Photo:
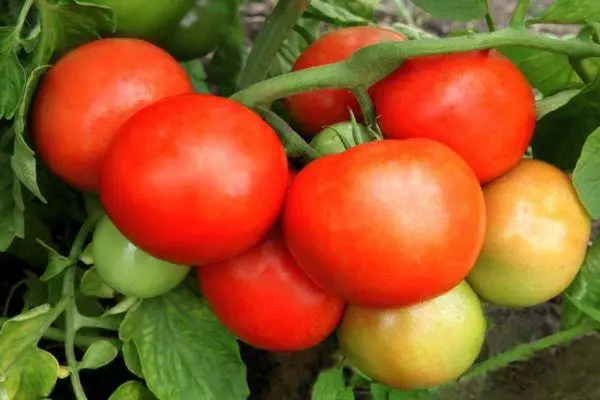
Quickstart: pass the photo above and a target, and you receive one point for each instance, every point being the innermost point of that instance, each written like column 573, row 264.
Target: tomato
column 477, row 103
column 145, row 19
column 386, row 223
column 264, row 298
column 536, row 238
column 419, row 346
column 89, row 93
column 194, row 179
column 316, row 110
column 328, row 141
column 129, row 270
column 201, row 30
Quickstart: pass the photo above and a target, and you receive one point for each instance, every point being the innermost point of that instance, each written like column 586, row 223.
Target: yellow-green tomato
column 419, row 346
column 146, row 19
column 331, row 139
column 129, row 270
column 536, row 236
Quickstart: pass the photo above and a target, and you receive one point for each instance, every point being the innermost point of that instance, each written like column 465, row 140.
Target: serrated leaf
column 457, row 10
column 586, row 176
column 228, row 61
column 57, row 263
column 33, row 376
column 132, row 390
column 184, row 350
column 330, row 385
column 94, row 286
column 584, row 290
column 571, row 12
column 560, row 135
column 98, row 355
column 12, row 74
column 132, row 358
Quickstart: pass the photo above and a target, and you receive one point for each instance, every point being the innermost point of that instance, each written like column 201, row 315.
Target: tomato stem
column 23, row 17
column 518, row 18
column 275, row 30
column 371, row 64
column 580, row 70
column 525, row 351
column 366, row 105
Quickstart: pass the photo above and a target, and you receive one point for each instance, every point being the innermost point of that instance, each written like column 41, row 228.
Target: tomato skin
column 145, row 19
column 328, row 140
column 477, row 103
column 313, row 111
column 265, row 299
column 200, row 30
column 386, row 223
column 194, row 179
column 419, row 346
column 536, row 238
column 128, row 269
column 89, row 93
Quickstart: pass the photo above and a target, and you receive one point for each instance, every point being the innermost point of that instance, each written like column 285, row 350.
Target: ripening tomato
column 194, row 179
column 145, row 19
column 536, row 237
column 265, row 299
column 89, row 93
column 129, row 270
column 333, row 139
column 477, row 103
column 419, row 346
column 386, row 223
column 313, row 111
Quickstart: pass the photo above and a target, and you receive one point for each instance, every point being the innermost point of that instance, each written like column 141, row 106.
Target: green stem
column 404, row 12
column 518, row 18
column 23, row 16
column 109, row 323
column 293, row 143
column 275, row 30
column 362, row 70
column 366, row 105
column 525, row 351
column 490, row 22
column 580, row 70
column 306, row 35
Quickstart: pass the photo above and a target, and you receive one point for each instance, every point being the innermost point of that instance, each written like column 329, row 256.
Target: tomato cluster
column 392, row 241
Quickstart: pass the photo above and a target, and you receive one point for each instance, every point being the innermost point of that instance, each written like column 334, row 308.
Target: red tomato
column 386, row 223
column 89, row 93
column 194, row 179
column 265, row 299
column 477, row 103
column 316, row 110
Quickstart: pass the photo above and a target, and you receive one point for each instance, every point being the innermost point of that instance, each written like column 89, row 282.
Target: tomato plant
column 129, row 270
column 88, row 94
column 184, row 179
column 298, row 313
column 344, row 222
column 316, row 110
column 536, row 237
column 201, row 29
column 141, row 139
column 418, row 346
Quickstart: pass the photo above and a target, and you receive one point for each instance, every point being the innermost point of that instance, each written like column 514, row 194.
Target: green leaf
column 228, row 61
column 571, row 12
column 132, row 358
column 586, row 176
column 335, row 12
column 122, row 306
column 551, row 103
column 184, row 350
column 86, row 255
column 33, row 376
column 545, row 71
column 12, row 73
column 195, row 70
column 57, row 263
column 381, row 392
column 98, row 355
column 457, row 10
column 29, row 248
column 584, row 290
column 94, row 286
column 132, row 390
column 12, row 220
column 331, row 386
column 560, row 135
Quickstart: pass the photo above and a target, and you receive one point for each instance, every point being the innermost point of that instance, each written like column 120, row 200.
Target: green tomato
column 144, row 18
column 201, row 30
column 328, row 141
column 129, row 270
